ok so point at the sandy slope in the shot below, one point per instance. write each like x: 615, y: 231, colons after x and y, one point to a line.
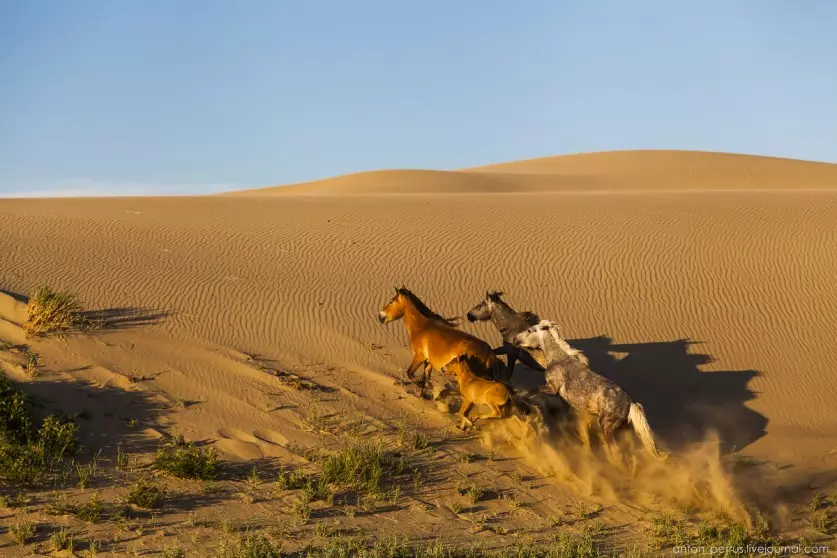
x: 586, y: 172
x: 716, y: 309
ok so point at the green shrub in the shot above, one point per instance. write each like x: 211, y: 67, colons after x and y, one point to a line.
x: 146, y: 493
x: 58, y: 437
x: 15, y: 421
x: 358, y: 464
x: 27, y: 456
x: 187, y: 461
x: 250, y: 545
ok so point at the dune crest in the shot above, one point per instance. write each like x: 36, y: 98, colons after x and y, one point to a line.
x: 654, y: 170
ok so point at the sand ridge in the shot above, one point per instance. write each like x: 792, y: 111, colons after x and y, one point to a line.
x: 620, y: 171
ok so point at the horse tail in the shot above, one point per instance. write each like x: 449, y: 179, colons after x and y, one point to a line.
x: 636, y: 416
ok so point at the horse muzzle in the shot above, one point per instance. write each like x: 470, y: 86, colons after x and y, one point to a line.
x: 470, y: 317
x: 382, y: 317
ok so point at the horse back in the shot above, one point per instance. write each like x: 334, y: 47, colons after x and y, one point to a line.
x: 588, y: 390
x: 446, y: 337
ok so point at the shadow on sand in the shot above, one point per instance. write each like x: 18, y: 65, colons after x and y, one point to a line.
x: 107, y: 416
x: 117, y: 318
x: 126, y: 318
x: 683, y: 403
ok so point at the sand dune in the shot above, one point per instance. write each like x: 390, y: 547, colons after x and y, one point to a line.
x: 715, y: 309
x: 586, y: 172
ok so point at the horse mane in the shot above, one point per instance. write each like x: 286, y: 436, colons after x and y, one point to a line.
x: 424, y: 310
x: 494, y: 296
x: 530, y: 318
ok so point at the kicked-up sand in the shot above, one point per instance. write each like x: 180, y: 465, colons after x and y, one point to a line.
x: 702, y: 283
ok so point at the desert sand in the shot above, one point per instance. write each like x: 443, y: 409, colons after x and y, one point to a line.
x: 703, y: 283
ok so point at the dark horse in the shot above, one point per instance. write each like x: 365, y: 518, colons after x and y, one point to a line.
x: 509, y: 323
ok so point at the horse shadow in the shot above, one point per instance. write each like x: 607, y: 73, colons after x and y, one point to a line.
x: 683, y: 403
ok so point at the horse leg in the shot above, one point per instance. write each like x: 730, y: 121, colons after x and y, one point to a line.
x: 512, y: 353
x: 527, y: 359
x: 496, y: 411
x: 411, y: 370
x: 463, y: 412
x: 584, y: 429
x: 428, y: 369
x: 607, y: 426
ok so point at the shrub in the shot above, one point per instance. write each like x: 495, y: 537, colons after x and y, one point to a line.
x: 15, y: 421
x: 20, y: 533
x: 146, y: 493
x: 187, y: 461
x: 58, y: 437
x: 251, y: 545
x: 358, y: 464
x: 49, y: 311
x: 91, y: 511
x: 61, y: 540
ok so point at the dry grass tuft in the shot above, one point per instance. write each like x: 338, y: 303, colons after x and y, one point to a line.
x: 49, y: 311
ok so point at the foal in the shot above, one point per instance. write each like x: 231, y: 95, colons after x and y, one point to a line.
x: 476, y: 391
x: 585, y: 390
x: 433, y: 339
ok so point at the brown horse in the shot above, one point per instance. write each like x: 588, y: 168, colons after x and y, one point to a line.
x: 497, y: 396
x: 434, y: 340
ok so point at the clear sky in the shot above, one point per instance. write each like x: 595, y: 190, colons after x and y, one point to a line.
x: 142, y: 96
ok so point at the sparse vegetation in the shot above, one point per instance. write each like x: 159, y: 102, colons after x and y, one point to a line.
x: 420, y: 441
x: 174, y: 552
x: 667, y: 530
x: 121, y: 459
x: 250, y: 545
x: 474, y: 493
x: 290, y: 480
x: 26, y: 454
x: 186, y: 460
x: 824, y: 516
x: 60, y: 540
x: 146, y: 493
x: 90, y: 511
x: 21, y: 532
x: 302, y: 511
x: 293, y: 381
x: 17, y: 501
x: 30, y: 366
x: 49, y: 311
x: 260, y: 545
x: 86, y: 472
x: 358, y: 464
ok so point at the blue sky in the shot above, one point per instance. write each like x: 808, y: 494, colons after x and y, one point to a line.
x: 160, y: 96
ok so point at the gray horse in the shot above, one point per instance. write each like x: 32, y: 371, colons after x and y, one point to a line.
x: 509, y: 323
x: 583, y: 389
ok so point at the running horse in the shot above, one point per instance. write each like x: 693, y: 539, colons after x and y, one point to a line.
x: 435, y: 341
